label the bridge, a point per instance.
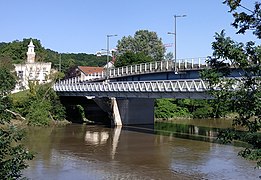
(131, 90)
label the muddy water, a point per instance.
(97, 152)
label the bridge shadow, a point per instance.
(80, 109)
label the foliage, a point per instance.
(169, 56)
(144, 42)
(195, 108)
(13, 155)
(7, 81)
(246, 98)
(38, 114)
(40, 105)
(166, 108)
(130, 58)
(245, 20)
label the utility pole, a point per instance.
(108, 52)
(175, 38)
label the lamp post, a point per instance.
(175, 37)
(108, 49)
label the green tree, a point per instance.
(130, 58)
(169, 56)
(13, 155)
(43, 105)
(246, 98)
(167, 108)
(145, 42)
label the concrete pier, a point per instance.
(133, 111)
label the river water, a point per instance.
(184, 150)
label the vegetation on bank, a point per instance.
(245, 100)
(40, 105)
(13, 155)
(191, 108)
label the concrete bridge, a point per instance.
(131, 90)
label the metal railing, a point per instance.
(156, 66)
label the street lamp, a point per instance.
(108, 49)
(175, 37)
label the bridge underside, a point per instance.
(150, 95)
(110, 111)
(91, 111)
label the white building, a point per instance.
(86, 73)
(37, 72)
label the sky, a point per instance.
(81, 26)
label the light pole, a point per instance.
(175, 37)
(108, 49)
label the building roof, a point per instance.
(90, 70)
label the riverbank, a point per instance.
(24, 123)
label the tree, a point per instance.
(145, 42)
(169, 56)
(246, 98)
(130, 58)
(13, 155)
(168, 108)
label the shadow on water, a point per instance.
(185, 131)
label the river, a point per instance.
(183, 150)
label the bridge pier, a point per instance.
(132, 111)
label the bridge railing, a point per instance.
(144, 68)
(158, 66)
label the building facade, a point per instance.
(31, 71)
(86, 73)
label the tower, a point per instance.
(30, 53)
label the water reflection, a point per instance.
(96, 137)
(186, 131)
(101, 138)
(115, 141)
(96, 152)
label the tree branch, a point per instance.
(15, 114)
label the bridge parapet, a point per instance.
(146, 68)
(158, 66)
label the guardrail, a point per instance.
(158, 66)
(152, 67)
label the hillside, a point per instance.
(16, 53)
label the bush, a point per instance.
(165, 108)
(203, 112)
(39, 113)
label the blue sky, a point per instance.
(82, 25)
